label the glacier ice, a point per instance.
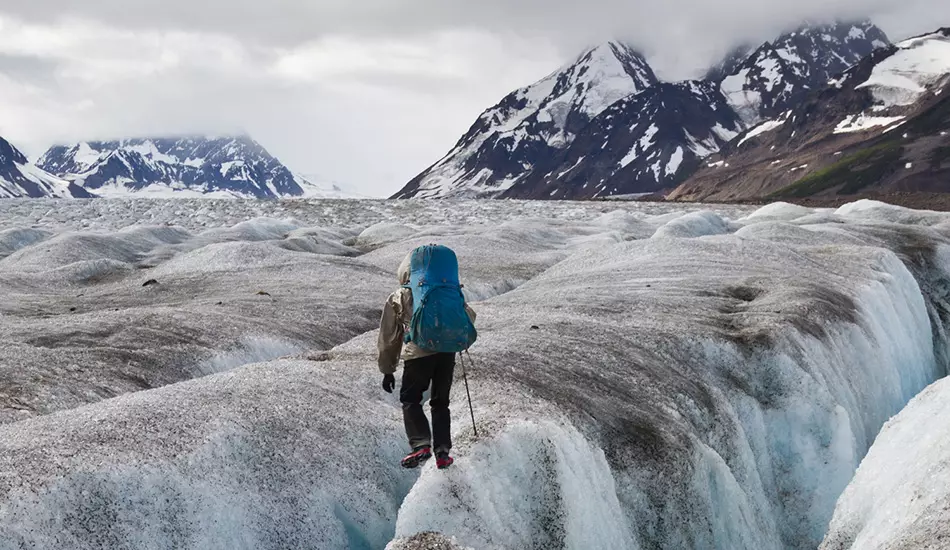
(899, 497)
(716, 386)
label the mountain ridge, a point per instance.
(754, 83)
(883, 126)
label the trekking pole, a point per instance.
(467, 393)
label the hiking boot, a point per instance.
(443, 460)
(417, 457)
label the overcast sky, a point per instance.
(364, 92)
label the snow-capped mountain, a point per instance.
(234, 166)
(527, 128)
(20, 178)
(641, 144)
(881, 126)
(604, 125)
(780, 73)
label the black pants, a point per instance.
(437, 371)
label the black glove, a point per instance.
(389, 383)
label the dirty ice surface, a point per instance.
(201, 374)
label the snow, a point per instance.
(676, 159)
(724, 133)
(771, 72)
(702, 148)
(745, 102)
(918, 64)
(569, 170)
(606, 81)
(766, 126)
(226, 166)
(645, 143)
(646, 376)
(86, 157)
(148, 150)
(862, 122)
(789, 56)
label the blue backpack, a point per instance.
(439, 320)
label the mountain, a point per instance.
(881, 126)
(605, 126)
(234, 166)
(529, 126)
(781, 73)
(21, 179)
(641, 144)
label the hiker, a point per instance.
(426, 321)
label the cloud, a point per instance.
(366, 92)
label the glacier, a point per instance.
(647, 375)
(898, 499)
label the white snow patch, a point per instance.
(226, 167)
(702, 148)
(789, 56)
(576, 164)
(771, 72)
(766, 126)
(647, 140)
(862, 122)
(148, 150)
(724, 133)
(675, 160)
(85, 157)
(745, 102)
(903, 77)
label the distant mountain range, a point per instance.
(798, 115)
(181, 167)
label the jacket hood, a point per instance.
(403, 271)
